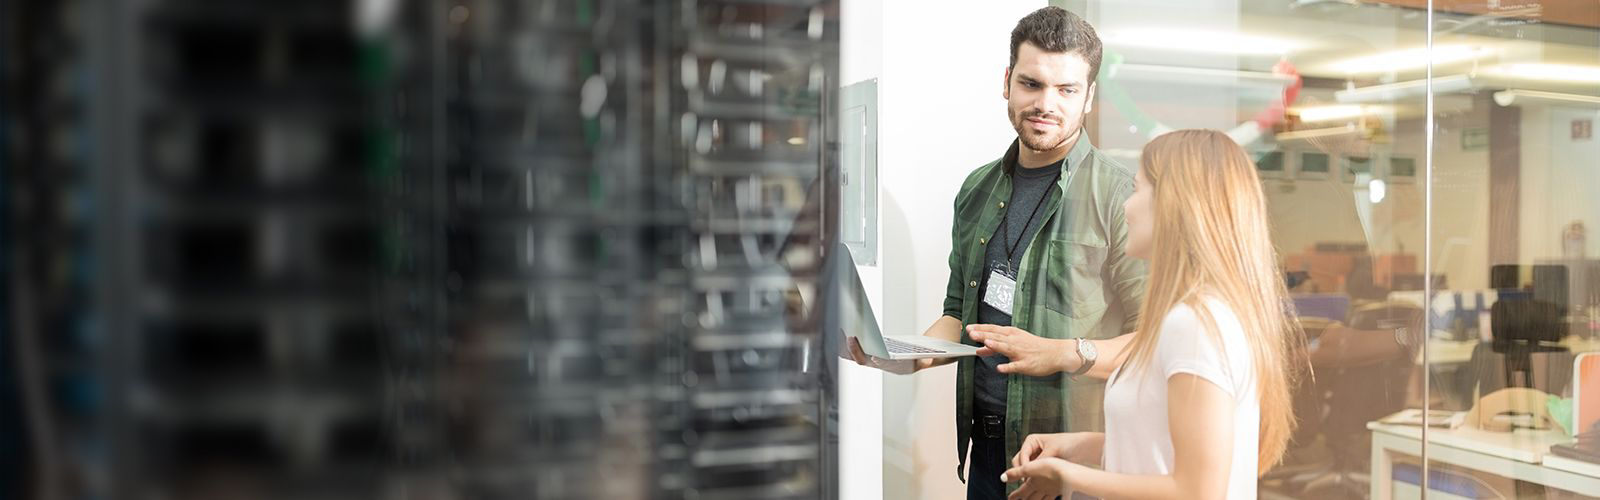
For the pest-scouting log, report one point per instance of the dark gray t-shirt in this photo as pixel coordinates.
(1029, 188)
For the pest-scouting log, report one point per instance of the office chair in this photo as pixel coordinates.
(1524, 350)
(1363, 375)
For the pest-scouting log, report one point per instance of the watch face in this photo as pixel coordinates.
(1086, 349)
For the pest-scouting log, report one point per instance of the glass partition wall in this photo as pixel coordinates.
(1514, 185)
(1445, 281)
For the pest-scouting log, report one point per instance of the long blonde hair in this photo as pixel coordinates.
(1211, 240)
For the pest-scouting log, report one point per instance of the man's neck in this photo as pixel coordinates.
(1028, 158)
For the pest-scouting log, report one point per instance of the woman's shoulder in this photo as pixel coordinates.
(1184, 329)
(1188, 346)
(1186, 314)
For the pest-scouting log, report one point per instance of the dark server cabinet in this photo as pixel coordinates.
(416, 249)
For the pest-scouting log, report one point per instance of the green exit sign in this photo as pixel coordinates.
(1474, 139)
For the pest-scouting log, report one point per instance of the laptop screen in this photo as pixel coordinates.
(846, 310)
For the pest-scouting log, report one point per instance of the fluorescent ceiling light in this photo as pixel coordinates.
(1191, 40)
(1407, 59)
(1399, 90)
(1189, 75)
(1573, 73)
(1337, 112)
(1317, 133)
(1509, 97)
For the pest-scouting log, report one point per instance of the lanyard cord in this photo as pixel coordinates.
(1012, 250)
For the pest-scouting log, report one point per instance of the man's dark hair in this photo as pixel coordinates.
(1053, 29)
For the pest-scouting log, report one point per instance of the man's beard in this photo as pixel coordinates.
(1035, 141)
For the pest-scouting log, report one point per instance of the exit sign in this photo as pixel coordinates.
(1474, 139)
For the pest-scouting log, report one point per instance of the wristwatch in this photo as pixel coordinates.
(1087, 352)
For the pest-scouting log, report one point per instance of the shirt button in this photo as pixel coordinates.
(983, 241)
(972, 284)
(1002, 204)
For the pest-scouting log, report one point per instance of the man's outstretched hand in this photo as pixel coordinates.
(1030, 354)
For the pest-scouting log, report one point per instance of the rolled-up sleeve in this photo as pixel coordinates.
(955, 289)
(1125, 274)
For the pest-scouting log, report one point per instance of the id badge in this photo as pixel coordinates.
(1000, 291)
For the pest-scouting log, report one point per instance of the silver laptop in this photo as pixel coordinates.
(855, 318)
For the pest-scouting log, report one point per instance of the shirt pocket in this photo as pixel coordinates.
(1074, 277)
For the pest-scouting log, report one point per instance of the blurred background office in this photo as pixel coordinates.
(576, 248)
(1497, 231)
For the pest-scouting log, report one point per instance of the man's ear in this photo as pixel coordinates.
(1088, 100)
(1005, 88)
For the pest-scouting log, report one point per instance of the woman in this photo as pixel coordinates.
(1199, 406)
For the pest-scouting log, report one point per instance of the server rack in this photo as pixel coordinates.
(553, 278)
(256, 360)
(421, 249)
(199, 226)
(753, 112)
(48, 284)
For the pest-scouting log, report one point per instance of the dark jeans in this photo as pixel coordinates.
(988, 457)
(988, 461)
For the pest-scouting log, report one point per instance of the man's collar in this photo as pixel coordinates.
(1074, 157)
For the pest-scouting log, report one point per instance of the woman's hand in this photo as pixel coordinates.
(1042, 479)
(1076, 447)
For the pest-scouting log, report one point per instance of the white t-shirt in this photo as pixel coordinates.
(1137, 438)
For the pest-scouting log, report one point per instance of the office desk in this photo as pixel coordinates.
(1442, 351)
(1517, 455)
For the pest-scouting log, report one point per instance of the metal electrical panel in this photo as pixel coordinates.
(858, 170)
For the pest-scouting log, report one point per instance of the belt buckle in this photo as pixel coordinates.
(993, 427)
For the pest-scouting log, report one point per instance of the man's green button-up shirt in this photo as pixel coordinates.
(1075, 280)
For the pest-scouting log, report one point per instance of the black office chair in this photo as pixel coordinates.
(1524, 350)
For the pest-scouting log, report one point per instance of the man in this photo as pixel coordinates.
(1038, 251)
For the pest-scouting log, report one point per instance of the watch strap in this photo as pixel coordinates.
(1088, 362)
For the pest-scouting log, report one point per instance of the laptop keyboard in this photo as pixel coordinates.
(898, 347)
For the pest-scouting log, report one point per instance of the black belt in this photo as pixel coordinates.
(989, 427)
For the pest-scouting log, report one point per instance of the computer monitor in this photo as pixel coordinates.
(1330, 306)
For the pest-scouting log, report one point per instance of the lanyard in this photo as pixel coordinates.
(1012, 249)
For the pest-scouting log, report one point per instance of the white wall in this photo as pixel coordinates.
(1460, 203)
(861, 389)
(940, 67)
(941, 116)
(1560, 181)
